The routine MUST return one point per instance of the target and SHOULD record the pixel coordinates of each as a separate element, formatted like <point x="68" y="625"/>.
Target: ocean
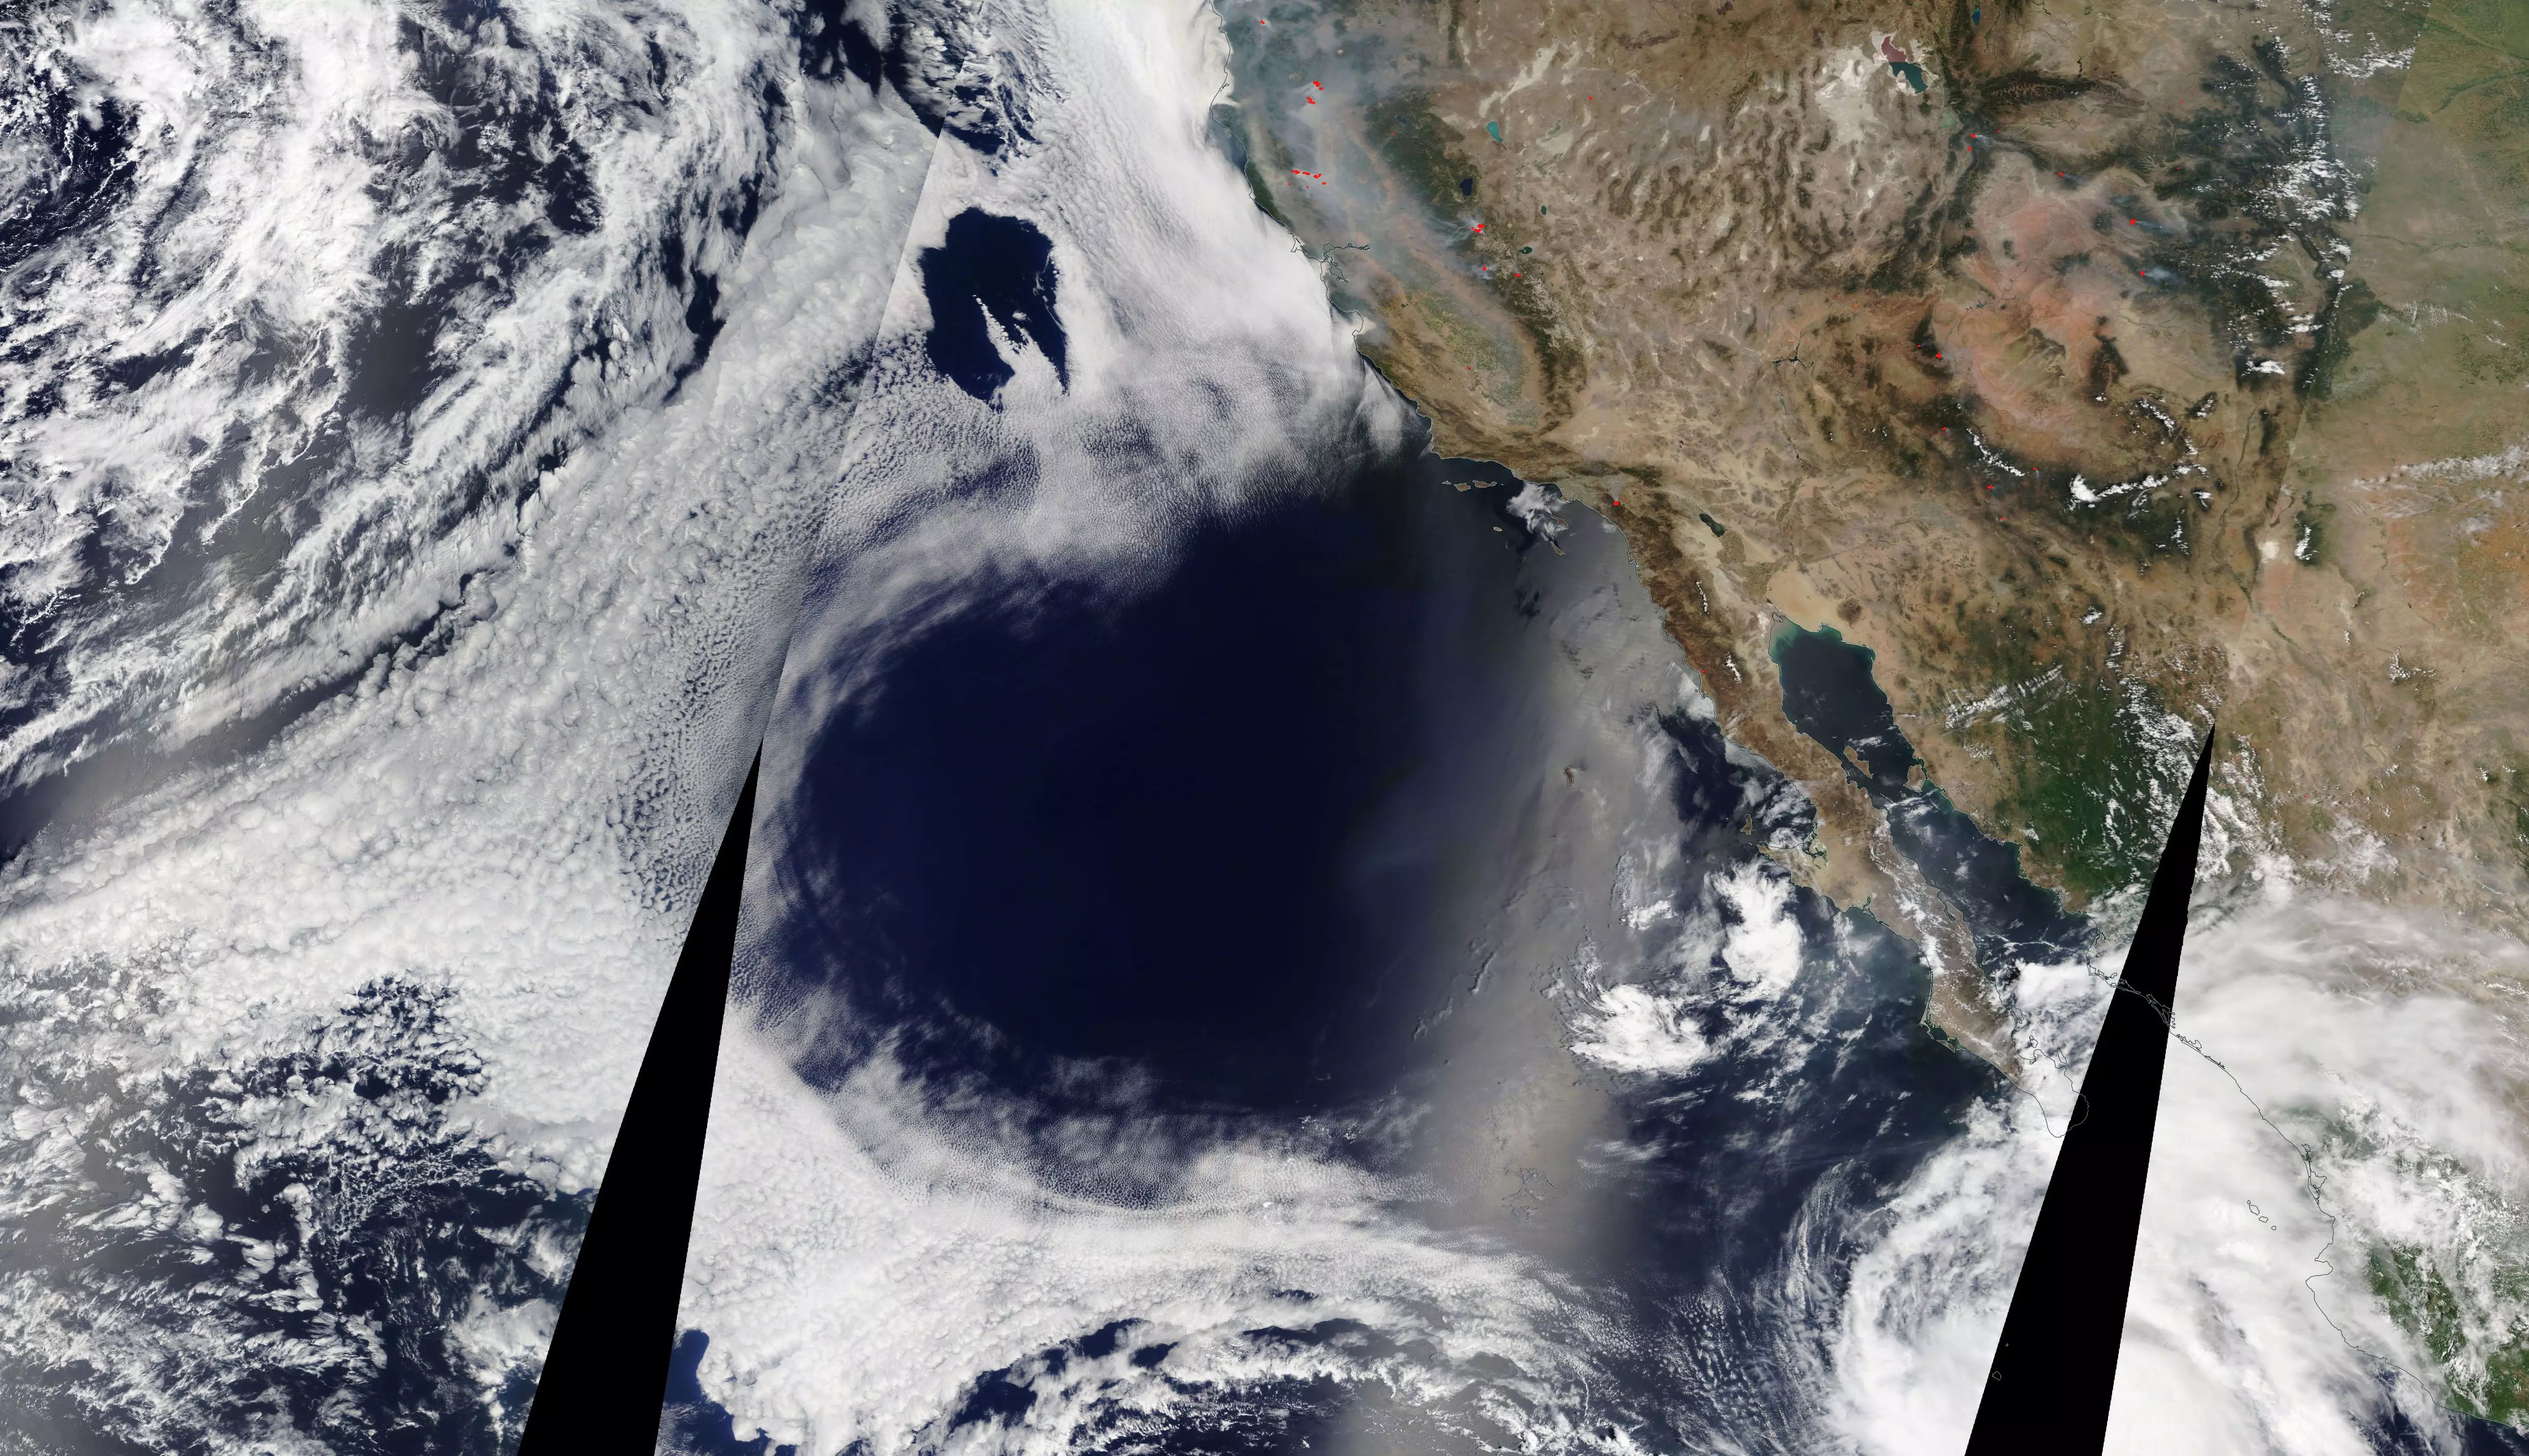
<point x="1388" y="822"/>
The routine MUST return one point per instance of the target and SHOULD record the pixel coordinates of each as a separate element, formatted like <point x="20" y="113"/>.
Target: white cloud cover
<point x="1205" y="373"/>
<point x="862" y="1265"/>
<point x="2251" y="1326"/>
<point x="529" y="806"/>
<point x="1205" y="368"/>
<point x="540" y="612"/>
<point x="561" y="656"/>
<point x="1735" y="963"/>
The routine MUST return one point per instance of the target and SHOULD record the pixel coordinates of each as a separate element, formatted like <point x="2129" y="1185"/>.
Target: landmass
<point x="2077" y="382"/>
<point x="2109" y="371"/>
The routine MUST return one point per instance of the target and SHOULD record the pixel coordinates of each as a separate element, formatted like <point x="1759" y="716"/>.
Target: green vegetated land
<point x="2470" y="81"/>
<point x="2461" y="1300"/>
<point x="1421" y="147"/>
<point x="2088" y="777"/>
<point x="2443" y="238"/>
<point x="2450" y="222"/>
<point x="2479" y="1360"/>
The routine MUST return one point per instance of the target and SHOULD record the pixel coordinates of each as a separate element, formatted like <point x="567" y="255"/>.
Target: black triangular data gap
<point x="605" y="1372"/>
<point x="2055" y="1368"/>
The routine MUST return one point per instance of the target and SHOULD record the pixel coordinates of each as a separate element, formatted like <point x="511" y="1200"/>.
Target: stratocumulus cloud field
<point x="440" y="442"/>
<point x="495" y="632"/>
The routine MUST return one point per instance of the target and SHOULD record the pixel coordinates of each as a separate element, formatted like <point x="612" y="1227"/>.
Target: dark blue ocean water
<point x="1071" y="829"/>
<point x="1828" y="693"/>
<point x="988" y="274"/>
<point x="1233" y="841"/>
<point x="1234" y="844"/>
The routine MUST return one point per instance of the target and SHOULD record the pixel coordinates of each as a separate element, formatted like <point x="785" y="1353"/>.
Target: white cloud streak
<point x="2251" y="1326"/>
<point x="517" y="801"/>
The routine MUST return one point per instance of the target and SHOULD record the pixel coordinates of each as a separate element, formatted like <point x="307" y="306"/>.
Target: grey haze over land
<point x="441" y="438"/>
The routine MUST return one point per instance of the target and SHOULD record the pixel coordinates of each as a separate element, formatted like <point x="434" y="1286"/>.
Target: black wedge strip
<point x="2057" y="1367"/>
<point x="606" y="1373"/>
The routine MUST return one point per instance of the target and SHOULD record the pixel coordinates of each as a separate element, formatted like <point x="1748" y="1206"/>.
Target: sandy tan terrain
<point x="2147" y="364"/>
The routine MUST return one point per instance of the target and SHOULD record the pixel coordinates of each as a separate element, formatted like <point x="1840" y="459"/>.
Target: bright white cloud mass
<point x="439" y="439"/>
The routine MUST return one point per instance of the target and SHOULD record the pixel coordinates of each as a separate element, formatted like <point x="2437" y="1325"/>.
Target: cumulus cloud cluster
<point x="330" y="293"/>
<point x="2322" y="1137"/>
<point x="1734" y="968"/>
<point x="419" y="425"/>
<point x="437" y="439"/>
